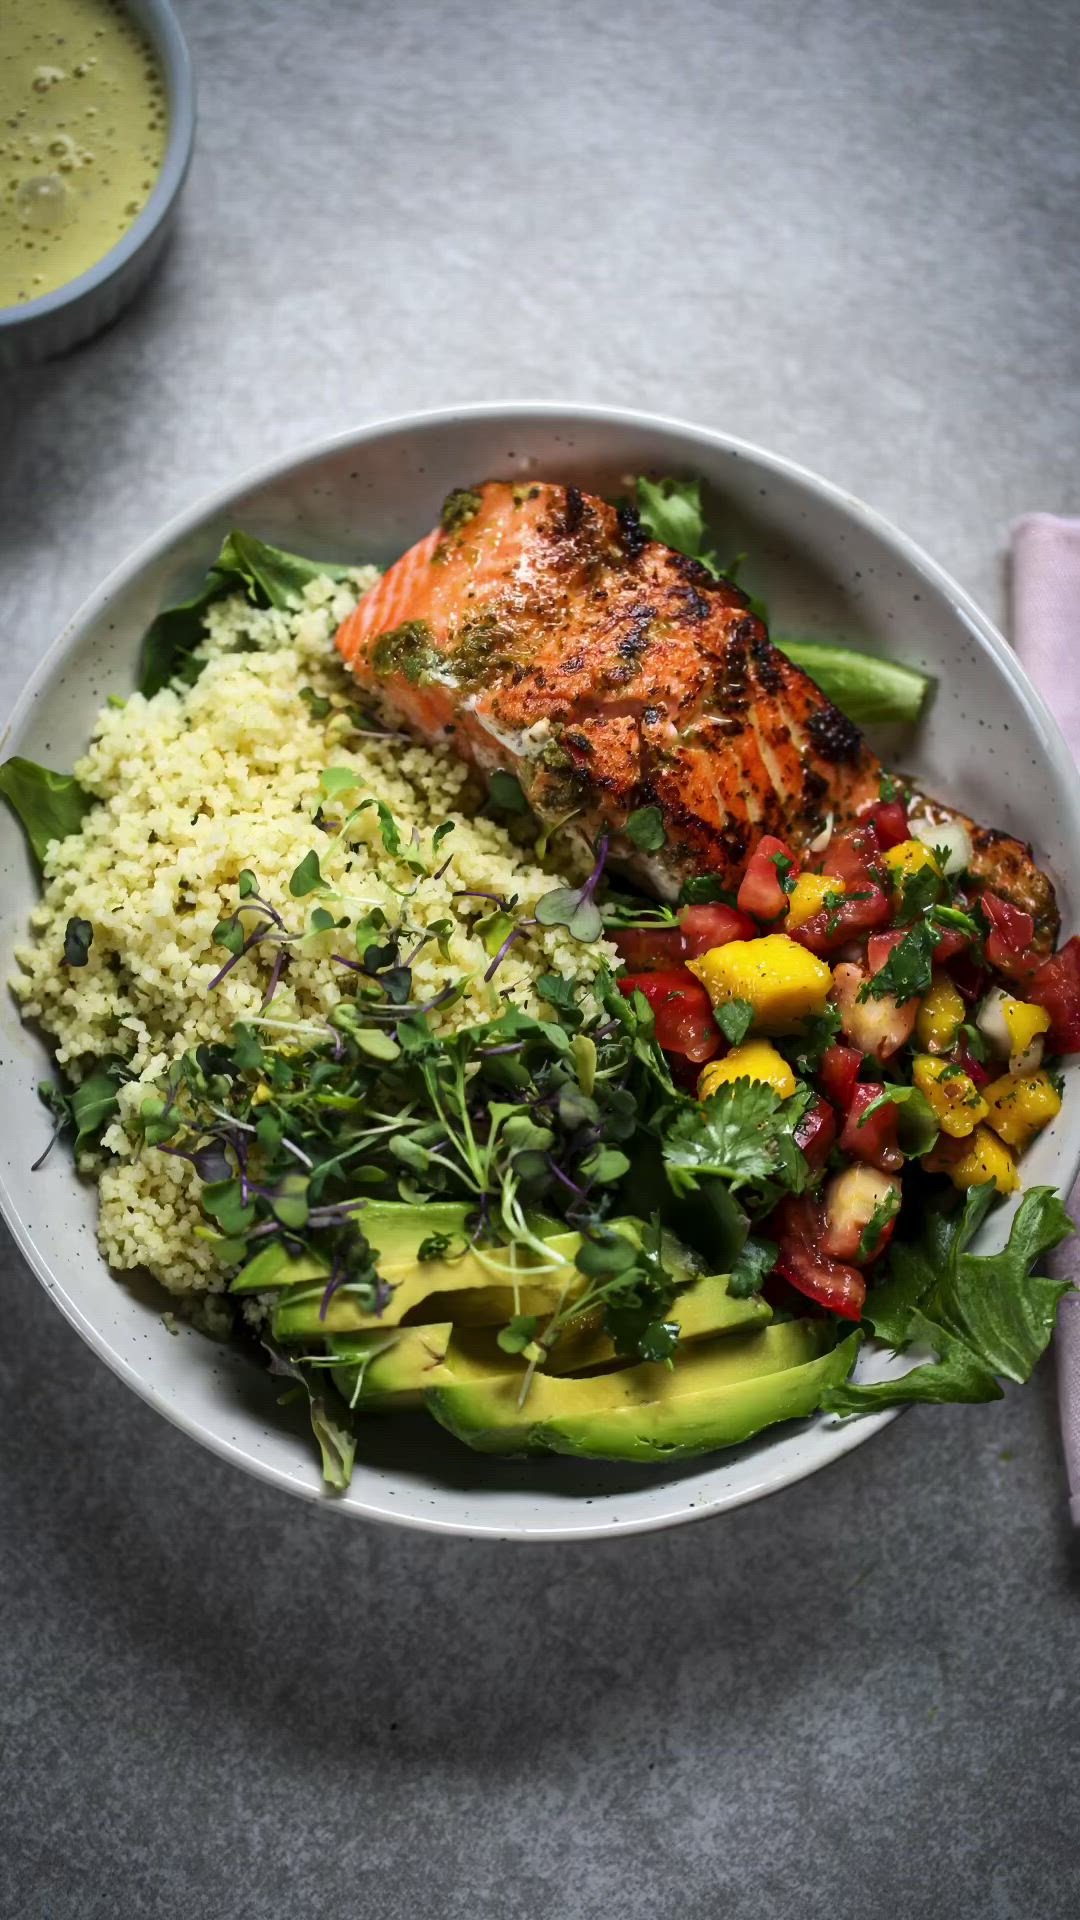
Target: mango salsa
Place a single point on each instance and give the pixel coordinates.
(1020, 1105)
(1024, 1023)
(940, 1017)
(781, 980)
(811, 892)
(909, 857)
(755, 1060)
(987, 1158)
(952, 1093)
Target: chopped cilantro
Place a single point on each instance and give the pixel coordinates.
(645, 828)
(757, 1258)
(784, 871)
(735, 1019)
(909, 967)
(702, 889)
(871, 1235)
(744, 1134)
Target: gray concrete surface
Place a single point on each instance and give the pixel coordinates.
(847, 230)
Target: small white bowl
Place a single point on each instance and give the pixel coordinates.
(40, 329)
(829, 567)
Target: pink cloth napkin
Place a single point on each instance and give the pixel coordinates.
(1046, 633)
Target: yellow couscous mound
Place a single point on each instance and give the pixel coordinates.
(195, 785)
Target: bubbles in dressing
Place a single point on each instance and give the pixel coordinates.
(83, 129)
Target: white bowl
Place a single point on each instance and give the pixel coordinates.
(829, 567)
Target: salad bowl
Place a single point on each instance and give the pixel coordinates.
(830, 569)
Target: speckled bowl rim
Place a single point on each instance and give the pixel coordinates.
(160, 24)
(827, 1441)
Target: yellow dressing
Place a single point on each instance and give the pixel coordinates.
(83, 127)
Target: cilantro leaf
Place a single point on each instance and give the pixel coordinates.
(757, 1258)
(909, 967)
(645, 828)
(807, 1049)
(870, 1237)
(919, 891)
(735, 1019)
(744, 1133)
(917, 1123)
(702, 889)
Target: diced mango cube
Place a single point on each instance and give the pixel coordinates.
(940, 1017)
(810, 894)
(908, 857)
(755, 1060)
(1025, 1024)
(952, 1093)
(1020, 1105)
(781, 980)
(987, 1158)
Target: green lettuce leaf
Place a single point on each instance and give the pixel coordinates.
(671, 511)
(986, 1316)
(48, 805)
(269, 576)
(870, 691)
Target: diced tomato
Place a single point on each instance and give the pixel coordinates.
(966, 975)
(944, 1154)
(798, 1228)
(974, 1069)
(1008, 944)
(1056, 986)
(880, 1024)
(880, 945)
(713, 926)
(889, 820)
(855, 857)
(700, 928)
(833, 927)
(761, 893)
(815, 1134)
(852, 1198)
(839, 1072)
(683, 1011)
(952, 942)
(646, 948)
(684, 1072)
(873, 1140)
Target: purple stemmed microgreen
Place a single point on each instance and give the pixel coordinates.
(575, 908)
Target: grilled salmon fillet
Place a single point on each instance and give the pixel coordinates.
(547, 635)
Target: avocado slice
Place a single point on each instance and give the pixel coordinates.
(464, 1291)
(712, 1396)
(396, 1232)
(704, 1307)
(386, 1370)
